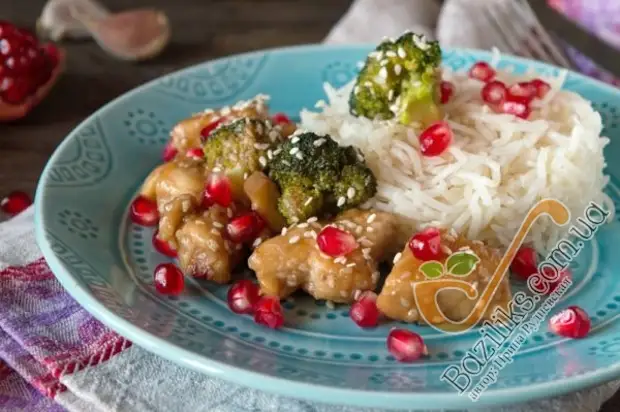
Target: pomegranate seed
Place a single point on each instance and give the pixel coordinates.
(169, 152)
(217, 190)
(494, 92)
(169, 279)
(245, 228)
(195, 153)
(144, 211)
(572, 322)
(524, 90)
(364, 311)
(243, 296)
(162, 246)
(446, 89)
(482, 71)
(435, 139)
(426, 245)
(541, 86)
(281, 118)
(268, 312)
(405, 346)
(15, 90)
(564, 273)
(336, 242)
(52, 53)
(525, 263)
(517, 106)
(15, 203)
(206, 131)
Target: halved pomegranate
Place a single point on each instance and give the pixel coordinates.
(268, 312)
(405, 346)
(28, 70)
(435, 139)
(245, 228)
(336, 242)
(144, 211)
(426, 245)
(243, 296)
(217, 190)
(364, 311)
(482, 71)
(446, 89)
(525, 263)
(572, 322)
(162, 246)
(15, 203)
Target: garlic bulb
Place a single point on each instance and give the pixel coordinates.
(57, 20)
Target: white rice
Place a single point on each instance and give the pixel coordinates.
(496, 169)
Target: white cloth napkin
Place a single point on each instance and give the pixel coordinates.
(135, 380)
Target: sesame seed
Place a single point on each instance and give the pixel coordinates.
(375, 276)
(397, 257)
(245, 175)
(291, 282)
(371, 218)
(295, 139)
(277, 152)
(319, 142)
(379, 55)
(383, 62)
(367, 83)
(397, 69)
(299, 155)
(370, 229)
(351, 192)
(359, 230)
(269, 154)
(357, 294)
(445, 249)
(295, 219)
(383, 73)
(308, 201)
(308, 234)
(257, 242)
(273, 135)
(340, 259)
(218, 225)
(343, 293)
(294, 150)
(390, 94)
(225, 110)
(215, 231)
(390, 53)
(216, 169)
(404, 302)
(262, 161)
(330, 304)
(286, 162)
(341, 201)
(412, 314)
(261, 146)
(356, 90)
(302, 225)
(449, 238)
(360, 157)
(365, 242)
(313, 234)
(366, 251)
(464, 248)
(312, 219)
(294, 239)
(350, 265)
(475, 285)
(284, 230)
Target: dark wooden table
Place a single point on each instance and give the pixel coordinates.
(202, 30)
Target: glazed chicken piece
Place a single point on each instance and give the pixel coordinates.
(397, 300)
(203, 249)
(293, 260)
(187, 133)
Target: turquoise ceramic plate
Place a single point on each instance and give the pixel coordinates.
(106, 263)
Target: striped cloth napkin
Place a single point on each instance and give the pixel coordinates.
(54, 356)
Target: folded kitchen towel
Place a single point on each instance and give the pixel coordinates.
(54, 356)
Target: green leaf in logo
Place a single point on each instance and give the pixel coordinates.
(432, 269)
(462, 263)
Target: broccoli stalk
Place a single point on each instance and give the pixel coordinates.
(316, 177)
(400, 79)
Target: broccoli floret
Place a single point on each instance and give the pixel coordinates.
(400, 79)
(316, 177)
(241, 147)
